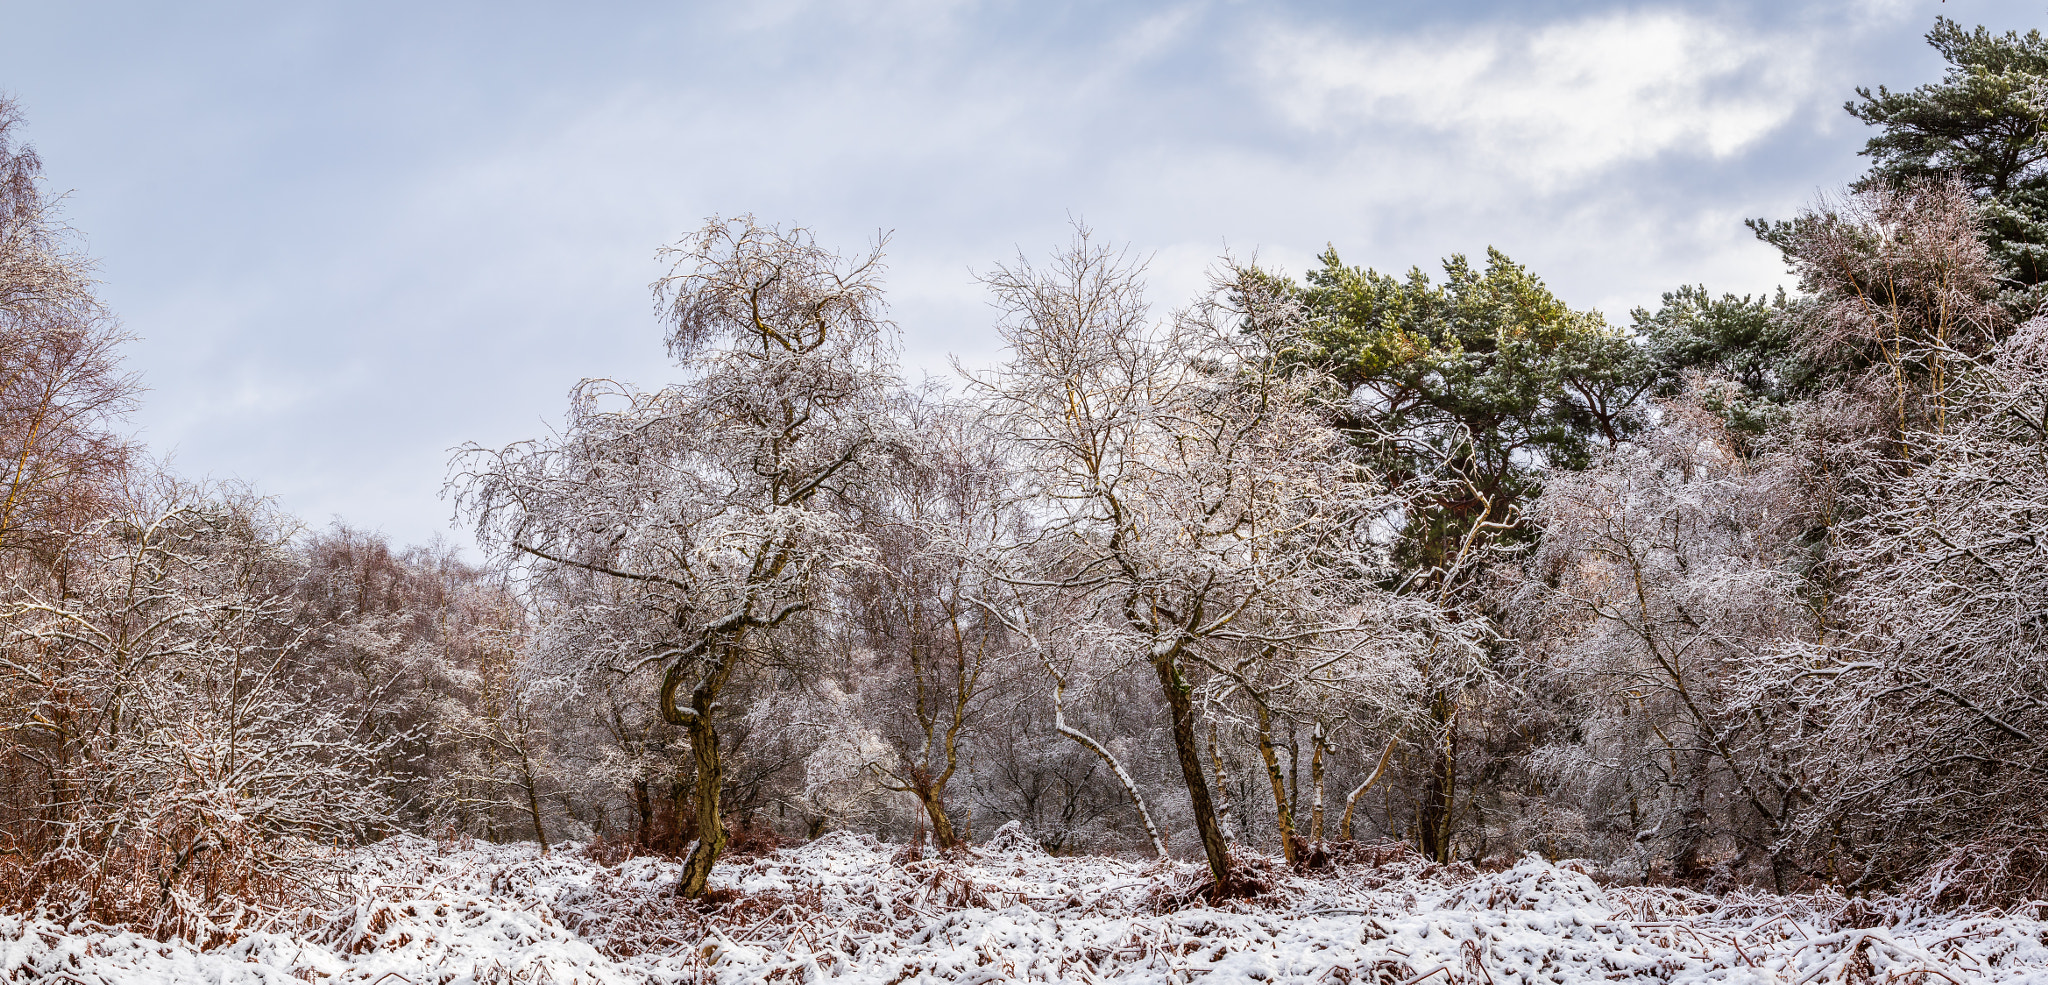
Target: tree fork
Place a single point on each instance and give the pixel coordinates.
(934, 801)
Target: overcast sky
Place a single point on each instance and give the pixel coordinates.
(351, 236)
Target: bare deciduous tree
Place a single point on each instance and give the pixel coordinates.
(715, 501)
(181, 767)
(1902, 280)
(1192, 491)
(939, 654)
(1929, 732)
(61, 384)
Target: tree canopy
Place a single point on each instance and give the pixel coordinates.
(1483, 381)
(1980, 124)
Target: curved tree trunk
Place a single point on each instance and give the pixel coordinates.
(698, 722)
(1059, 721)
(1351, 802)
(710, 826)
(1178, 698)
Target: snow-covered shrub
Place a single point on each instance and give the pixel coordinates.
(187, 783)
(1533, 884)
(1012, 838)
(1989, 874)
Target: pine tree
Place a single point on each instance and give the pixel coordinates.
(1981, 124)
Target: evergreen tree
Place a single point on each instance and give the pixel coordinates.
(1475, 386)
(1980, 124)
(1741, 348)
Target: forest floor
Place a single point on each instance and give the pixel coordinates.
(412, 912)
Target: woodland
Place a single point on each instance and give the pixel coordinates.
(1739, 597)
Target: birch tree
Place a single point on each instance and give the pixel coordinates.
(715, 502)
(62, 387)
(940, 656)
(1194, 495)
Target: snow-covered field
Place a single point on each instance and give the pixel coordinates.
(844, 907)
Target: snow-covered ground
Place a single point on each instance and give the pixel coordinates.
(846, 908)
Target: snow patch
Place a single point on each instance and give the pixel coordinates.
(842, 909)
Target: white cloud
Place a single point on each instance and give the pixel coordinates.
(1561, 102)
(469, 228)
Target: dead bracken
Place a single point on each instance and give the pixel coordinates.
(844, 907)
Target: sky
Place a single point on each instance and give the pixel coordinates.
(351, 237)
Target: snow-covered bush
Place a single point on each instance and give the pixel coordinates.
(185, 780)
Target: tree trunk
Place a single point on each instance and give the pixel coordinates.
(1351, 801)
(540, 832)
(1693, 821)
(933, 800)
(681, 827)
(643, 807)
(1315, 770)
(1433, 818)
(1059, 724)
(699, 724)
(1283, 814)
(1177, 697)
(710, 826)
(1293, 772)
(1222, 788)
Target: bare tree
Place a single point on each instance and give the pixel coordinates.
(1192, 491)
(36, 270)
(503, 743)
(920, 606)
(155, 700)
(1904, 284)
(62, 389)
(714, 501)
(1662, 573)
(1929, 734)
